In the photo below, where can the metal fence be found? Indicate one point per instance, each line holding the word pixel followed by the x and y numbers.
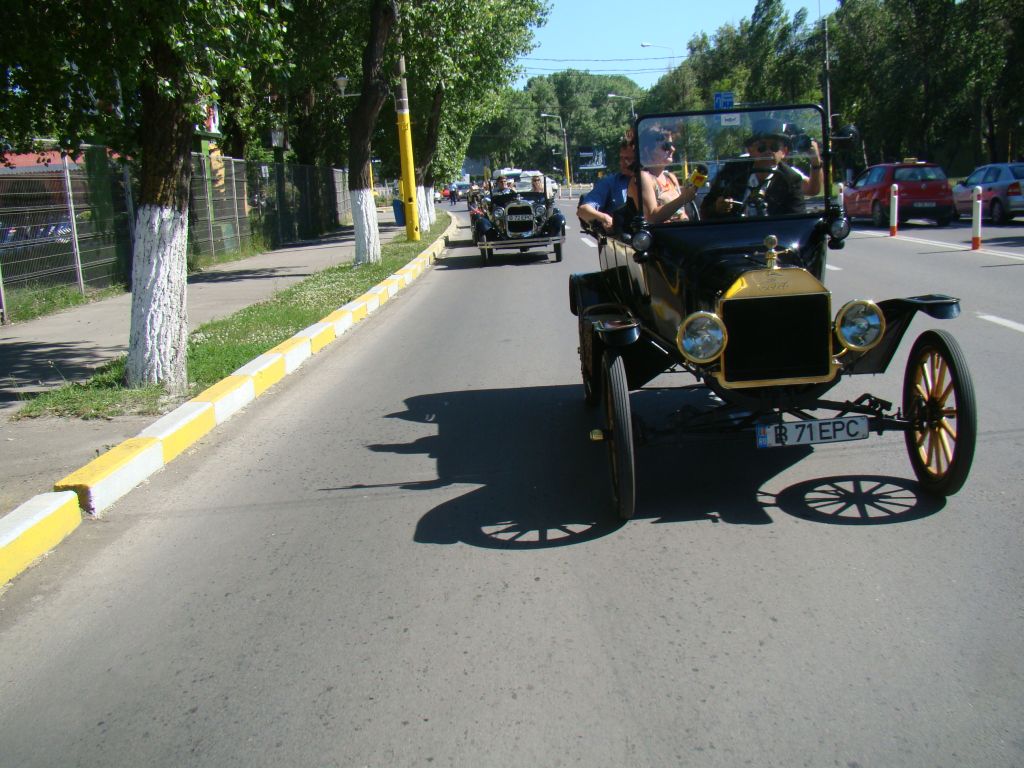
pixel 68 226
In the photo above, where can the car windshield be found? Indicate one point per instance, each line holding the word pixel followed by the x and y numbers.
pixel 758 162
pixel 919 173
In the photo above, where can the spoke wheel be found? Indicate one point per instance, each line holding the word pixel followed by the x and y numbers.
pixel 589 371
pixel 619 436
pixel 938 399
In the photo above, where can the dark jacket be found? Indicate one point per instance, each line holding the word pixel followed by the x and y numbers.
pixel 783 192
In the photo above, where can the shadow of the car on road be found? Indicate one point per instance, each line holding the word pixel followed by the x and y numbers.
pixel 541 482
pixel 858 500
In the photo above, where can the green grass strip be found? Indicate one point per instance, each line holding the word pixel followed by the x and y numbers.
pixel 218 348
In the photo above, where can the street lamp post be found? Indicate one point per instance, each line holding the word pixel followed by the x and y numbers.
pixel 632 112
pixel 565 146
pixel 672 61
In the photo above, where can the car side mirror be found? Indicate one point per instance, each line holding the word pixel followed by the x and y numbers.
pixel 847 133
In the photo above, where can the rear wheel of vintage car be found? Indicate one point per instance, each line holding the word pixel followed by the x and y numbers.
pixel 619 435
pixel 558 251
pixel 938 400
pixel 590 373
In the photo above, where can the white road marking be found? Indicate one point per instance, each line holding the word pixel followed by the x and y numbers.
pixel 833 268
pixel 587 240
pixel 951 246
pixel 1004 322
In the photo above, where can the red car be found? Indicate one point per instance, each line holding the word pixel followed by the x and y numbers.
pixel 924 193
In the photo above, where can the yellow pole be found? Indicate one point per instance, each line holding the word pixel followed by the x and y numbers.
pixel 565 149
pixel 412 214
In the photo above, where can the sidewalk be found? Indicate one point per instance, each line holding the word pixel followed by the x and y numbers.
pixel 44 353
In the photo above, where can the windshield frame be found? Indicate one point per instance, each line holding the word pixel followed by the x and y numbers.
pixel 727 131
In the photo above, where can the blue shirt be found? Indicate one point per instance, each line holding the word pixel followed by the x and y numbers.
pixel 609 193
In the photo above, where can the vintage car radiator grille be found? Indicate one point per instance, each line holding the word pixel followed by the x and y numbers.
pixel 777 337
pixel 520 220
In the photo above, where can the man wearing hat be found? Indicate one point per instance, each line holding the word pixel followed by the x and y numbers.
pixel 761 183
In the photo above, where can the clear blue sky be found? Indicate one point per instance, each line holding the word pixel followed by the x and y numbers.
pixel 583 34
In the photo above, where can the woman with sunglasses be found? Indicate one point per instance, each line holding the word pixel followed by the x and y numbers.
pixel 664 198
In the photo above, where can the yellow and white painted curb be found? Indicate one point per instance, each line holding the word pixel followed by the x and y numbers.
pixel 42 522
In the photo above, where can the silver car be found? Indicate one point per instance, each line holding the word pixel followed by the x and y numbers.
pixel 1001 197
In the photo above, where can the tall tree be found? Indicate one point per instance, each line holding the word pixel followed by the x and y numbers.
pixel 140 80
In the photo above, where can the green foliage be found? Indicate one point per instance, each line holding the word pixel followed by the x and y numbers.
pixel 938 79
pixel 86 76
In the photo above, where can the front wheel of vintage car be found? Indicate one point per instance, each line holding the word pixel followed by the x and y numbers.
pixel 938 400
pixel 619 435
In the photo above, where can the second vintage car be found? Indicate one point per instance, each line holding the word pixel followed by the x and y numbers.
pixel 510 219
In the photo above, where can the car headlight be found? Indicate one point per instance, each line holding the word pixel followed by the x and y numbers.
pixel 701 337
pixel 860 325
pixel 539 209
pixel 498 212
pixel 839 229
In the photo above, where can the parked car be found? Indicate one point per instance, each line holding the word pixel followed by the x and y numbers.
pixel 736 299
pixel 924 193
pixel 1001 197
pixel 510 219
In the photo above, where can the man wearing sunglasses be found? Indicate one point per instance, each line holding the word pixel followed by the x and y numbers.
pixel 761 183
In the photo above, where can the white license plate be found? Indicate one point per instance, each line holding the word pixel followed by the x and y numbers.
pixel 924 205
pixel 813 431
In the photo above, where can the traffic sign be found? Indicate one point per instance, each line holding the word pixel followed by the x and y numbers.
pixel 723 100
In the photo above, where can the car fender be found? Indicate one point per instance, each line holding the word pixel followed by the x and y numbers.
pixel 898 314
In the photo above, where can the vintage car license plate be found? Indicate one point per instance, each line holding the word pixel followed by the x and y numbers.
pixel 924 204
pixel 813 431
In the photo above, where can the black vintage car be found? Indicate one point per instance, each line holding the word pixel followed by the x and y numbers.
pixel 509 219
pixel 734 295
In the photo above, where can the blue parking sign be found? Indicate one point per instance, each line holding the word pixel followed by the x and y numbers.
pixel 723 100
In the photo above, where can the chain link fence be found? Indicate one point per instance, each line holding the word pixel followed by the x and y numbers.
pixel 67 226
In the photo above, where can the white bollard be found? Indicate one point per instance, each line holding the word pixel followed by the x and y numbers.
pixel 976 219
pixel 894 206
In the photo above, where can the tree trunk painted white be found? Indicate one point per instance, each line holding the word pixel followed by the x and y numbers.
pixel 367 229
pixel 158 339
pixel 431 206
pixel 421 207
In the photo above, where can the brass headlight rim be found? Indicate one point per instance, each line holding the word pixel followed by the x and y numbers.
pixel 840 315
pixel 682 328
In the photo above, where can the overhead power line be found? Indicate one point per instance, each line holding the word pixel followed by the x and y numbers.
pixel 643 58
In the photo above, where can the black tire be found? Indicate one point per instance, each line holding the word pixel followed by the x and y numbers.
pixel 619 436
pixel 558 251
pixel 943 221
pixel 938 399
pixel 591 374
pixel 879 216
pixel 997 213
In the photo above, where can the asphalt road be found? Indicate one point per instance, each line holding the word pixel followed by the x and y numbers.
pixel 403 556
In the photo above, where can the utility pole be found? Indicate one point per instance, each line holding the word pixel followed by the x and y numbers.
pixel 412 215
